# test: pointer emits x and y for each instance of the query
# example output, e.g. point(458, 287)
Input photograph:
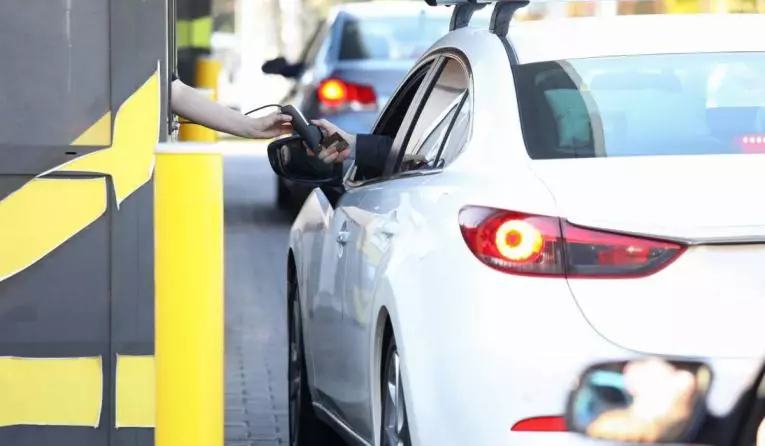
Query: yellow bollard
point(189, 293)
point(207, 72)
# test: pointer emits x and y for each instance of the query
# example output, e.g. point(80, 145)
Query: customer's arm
point(194, 106)
point(369, 152)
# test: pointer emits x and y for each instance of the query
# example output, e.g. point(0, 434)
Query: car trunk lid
point(711, 300)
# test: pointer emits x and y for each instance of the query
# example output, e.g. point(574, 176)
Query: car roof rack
point(464, 9)
point(503, 15)
point(463, 13)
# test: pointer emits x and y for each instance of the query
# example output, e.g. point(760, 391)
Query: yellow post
point(207, 71)
point(189, 287)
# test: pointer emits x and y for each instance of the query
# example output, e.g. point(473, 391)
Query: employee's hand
point(270, 126)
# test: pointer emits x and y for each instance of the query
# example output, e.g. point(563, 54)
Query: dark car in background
point(354, 62)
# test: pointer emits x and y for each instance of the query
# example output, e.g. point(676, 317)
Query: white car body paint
point(481, 349)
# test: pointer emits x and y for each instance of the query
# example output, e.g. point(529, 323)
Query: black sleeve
point(372, 154)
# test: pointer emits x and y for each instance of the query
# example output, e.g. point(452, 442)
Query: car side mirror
point(281, 67)
point(289, 159)
point(640, 401)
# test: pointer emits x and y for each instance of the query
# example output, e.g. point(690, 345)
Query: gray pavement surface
point(256, 332)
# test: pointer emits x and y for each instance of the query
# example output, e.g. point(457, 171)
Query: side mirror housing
point(640, 401)
point(281, 67)
point(289, 159)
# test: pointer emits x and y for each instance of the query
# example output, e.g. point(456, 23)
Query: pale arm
point(194, 106)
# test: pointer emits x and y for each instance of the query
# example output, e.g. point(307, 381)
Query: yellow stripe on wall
point(99, 134)
point(135, 392)
point(51, 391)
point(26, 216)
point(130, 159)
point(73, 204)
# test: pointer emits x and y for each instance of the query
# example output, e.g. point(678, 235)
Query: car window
point(438, 111)
point(647, 105)
point(434, 137)
point(392, 37)
point(391, 118)
point(459, 134)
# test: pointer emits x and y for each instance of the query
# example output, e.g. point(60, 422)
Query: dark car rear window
point(394, 37)
point(665, 104)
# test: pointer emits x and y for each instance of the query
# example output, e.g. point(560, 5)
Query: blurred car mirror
point(640, 401)
point(281, 67)
point(290, 159)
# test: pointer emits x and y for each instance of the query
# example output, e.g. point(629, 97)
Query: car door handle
point(342, 237)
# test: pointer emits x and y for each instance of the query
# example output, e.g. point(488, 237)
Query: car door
point(333, 350)
point(385, 221)
point(326, 312)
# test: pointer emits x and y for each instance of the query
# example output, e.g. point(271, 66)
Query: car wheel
point(283, 196)
point(395, 425)
point(304, 427)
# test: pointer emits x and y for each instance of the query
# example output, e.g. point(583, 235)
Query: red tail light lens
point(526, 244)
point(752, 143)
point(541, 424)
point(336, 94)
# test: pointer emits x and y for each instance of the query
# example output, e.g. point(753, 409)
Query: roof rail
point(462, 15)
point(503, 15)
point(463, 10)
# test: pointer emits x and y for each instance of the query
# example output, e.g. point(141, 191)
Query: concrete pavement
point(256, 332)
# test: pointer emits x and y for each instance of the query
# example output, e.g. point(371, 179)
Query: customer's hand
point(270, 126)
point(333, 154)
point(662, 402)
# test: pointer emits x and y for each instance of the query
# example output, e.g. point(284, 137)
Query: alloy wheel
point(295, 370)
point(394, 422)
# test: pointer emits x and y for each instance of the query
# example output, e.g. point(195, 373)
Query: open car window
point(433, 138)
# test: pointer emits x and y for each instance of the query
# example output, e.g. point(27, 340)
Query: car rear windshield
point(665, 104)
point(391, 37)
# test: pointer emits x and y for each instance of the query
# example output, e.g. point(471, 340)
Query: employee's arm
point(194, 106)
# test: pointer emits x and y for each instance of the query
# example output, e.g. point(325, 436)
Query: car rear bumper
point(483, 353)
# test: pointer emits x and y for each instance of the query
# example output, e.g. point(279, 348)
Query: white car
point(582, 202)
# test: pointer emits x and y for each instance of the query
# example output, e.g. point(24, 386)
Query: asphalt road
point(256, 332)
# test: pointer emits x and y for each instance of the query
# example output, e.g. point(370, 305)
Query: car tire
point(283, 196)
point(305, 429)
point(394, 423)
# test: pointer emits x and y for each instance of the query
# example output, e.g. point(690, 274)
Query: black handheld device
point(311, 134)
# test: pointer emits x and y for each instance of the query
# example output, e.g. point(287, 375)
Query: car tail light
point(519, 243)
point(335, 94)
point(541, 424)
point(752, 143)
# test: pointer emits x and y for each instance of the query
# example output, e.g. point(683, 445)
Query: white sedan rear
point(593, 191)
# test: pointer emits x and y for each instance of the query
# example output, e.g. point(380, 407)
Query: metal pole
point(189, 349)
